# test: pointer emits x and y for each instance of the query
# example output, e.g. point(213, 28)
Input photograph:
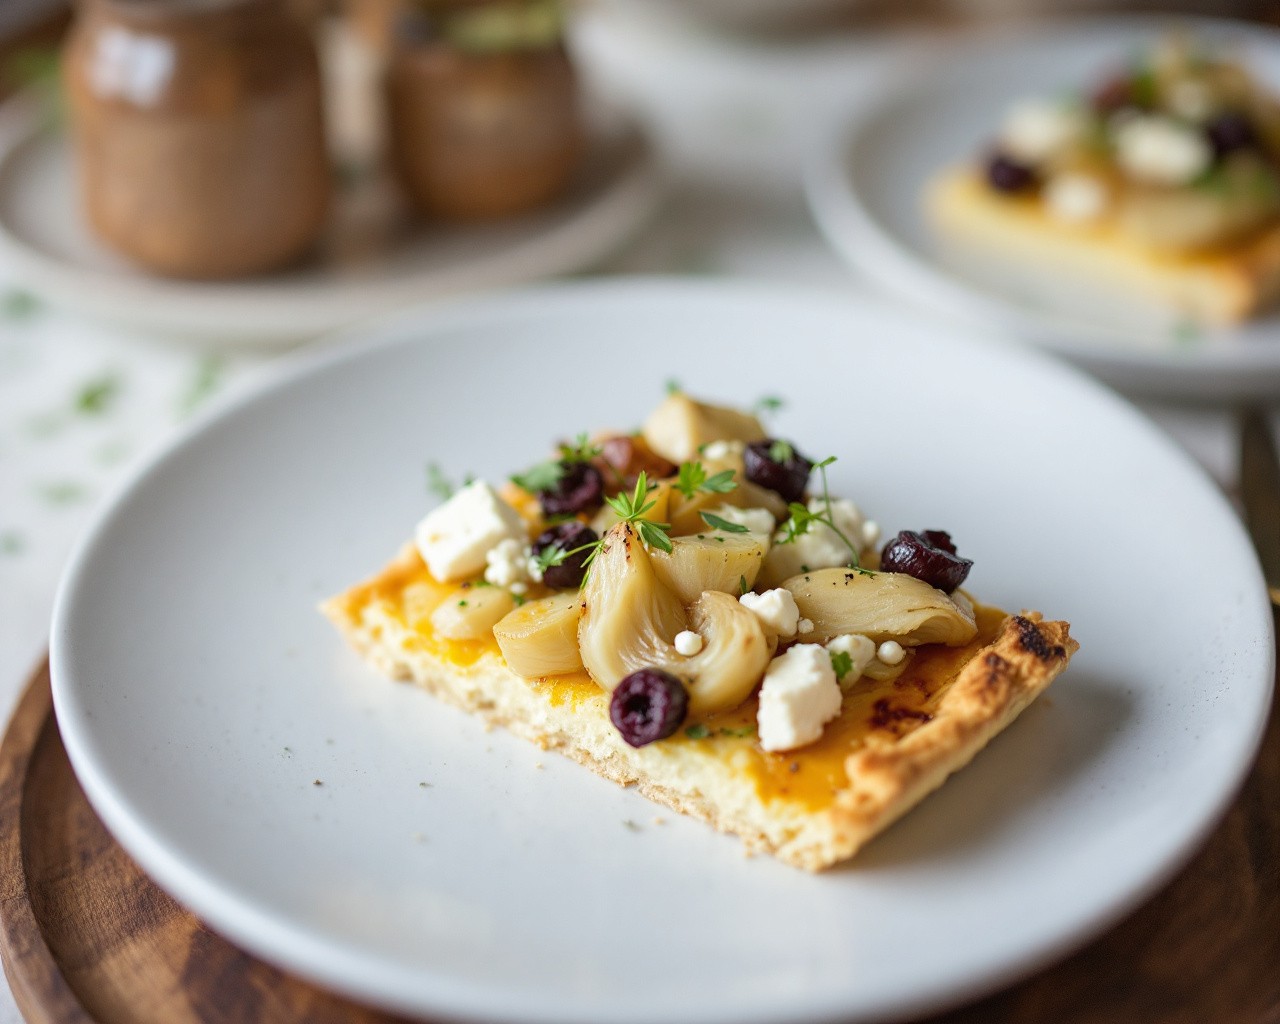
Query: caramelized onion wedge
point(713, 560)
point(540, 638)
point(632, 618)
point(882, 606)
point(470, 614)
point(678, 427)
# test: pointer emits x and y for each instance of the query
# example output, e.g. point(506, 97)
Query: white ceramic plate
point(201, 695)
point(371, 260)
point(864, 189)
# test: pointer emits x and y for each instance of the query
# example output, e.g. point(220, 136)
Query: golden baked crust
point(893, 743)
point(1220, 286)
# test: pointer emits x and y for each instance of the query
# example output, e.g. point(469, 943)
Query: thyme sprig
point(631, 508)
point(802, 518)
point(546, 475)
point(693, 478)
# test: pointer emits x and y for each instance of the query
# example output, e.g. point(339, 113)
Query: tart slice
point(684, 611)
point(1158, 185)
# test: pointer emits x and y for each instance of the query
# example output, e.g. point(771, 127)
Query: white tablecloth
point(81, 403)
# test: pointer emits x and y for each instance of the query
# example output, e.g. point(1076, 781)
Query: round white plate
point(864, 189)
point(372, 259)
point(272, 783)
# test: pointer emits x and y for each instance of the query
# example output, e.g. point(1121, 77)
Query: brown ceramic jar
point(482, 135)
point(198, 132)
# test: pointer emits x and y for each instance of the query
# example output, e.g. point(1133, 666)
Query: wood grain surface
point(87, 938)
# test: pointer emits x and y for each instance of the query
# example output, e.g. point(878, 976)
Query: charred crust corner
point(1031, 640)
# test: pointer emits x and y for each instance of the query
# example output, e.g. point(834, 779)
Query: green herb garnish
point(437, 483)
point(781, 451)
point(802, 518)
point(581, 450)
point(742, 584)
point(697, 732)
point(542, 477)
point(769, 404)
point(693, 478)
point(841, 664)
point(631, 509)
point(717, 523)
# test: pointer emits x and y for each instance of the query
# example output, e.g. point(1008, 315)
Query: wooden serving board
point(87, 938)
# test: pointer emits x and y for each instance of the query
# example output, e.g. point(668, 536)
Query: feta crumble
point(688, 643)
point(1161, 150)
point(776, 609)
point(455, 537)
point(798, 697)
point(507, 563)
point(1076, 198)
point(1037, 129)
point(891, 652)
point(861, 650)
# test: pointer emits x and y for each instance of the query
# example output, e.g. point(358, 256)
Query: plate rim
point(870, 248)
point(249, 310)
point(294, 948)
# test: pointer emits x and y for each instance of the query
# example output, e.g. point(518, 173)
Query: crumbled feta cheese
point(519, 588)
point(891, 652)
point(722, 449)
point(776, 609)
point(1161, 150)
point(756, 520)
point(1036, 129)
point(870, 533)
point(798, 697)
point(507, 563)
point(1076, 198)
point(533, 569)
point(861, 650)
point(455, 537)
point(804, 626)
point(820, 547)
point(688, 643)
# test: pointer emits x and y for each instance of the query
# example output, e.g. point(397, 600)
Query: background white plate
point(371, 260)
point(864, 189)
point(200, 694)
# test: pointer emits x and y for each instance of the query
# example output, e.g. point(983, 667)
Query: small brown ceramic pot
point(482, 135)
point(198, 132)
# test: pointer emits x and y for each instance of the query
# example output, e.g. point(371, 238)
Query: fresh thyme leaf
point(18, 305)
point(549, 557)
point(717, 523)
point(769, 404)
point(582, 450)
point(204, 382)
point(437, 483)
point(673, 386)
point(841, 664)
point(742, 584)
point(802, 518)
point(655, 535)
point(746, 730)
point(631, 508)
point(96, 395)
point(720, 483)
point(692, 475)
point(62, 492)
point(12, 543)
point(542, 477)
point(797, 524)
point(697, 731)
point(519, 599)
point(693, 478)
point(781, 451)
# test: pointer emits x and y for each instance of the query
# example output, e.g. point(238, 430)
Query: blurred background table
point(81, 403)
